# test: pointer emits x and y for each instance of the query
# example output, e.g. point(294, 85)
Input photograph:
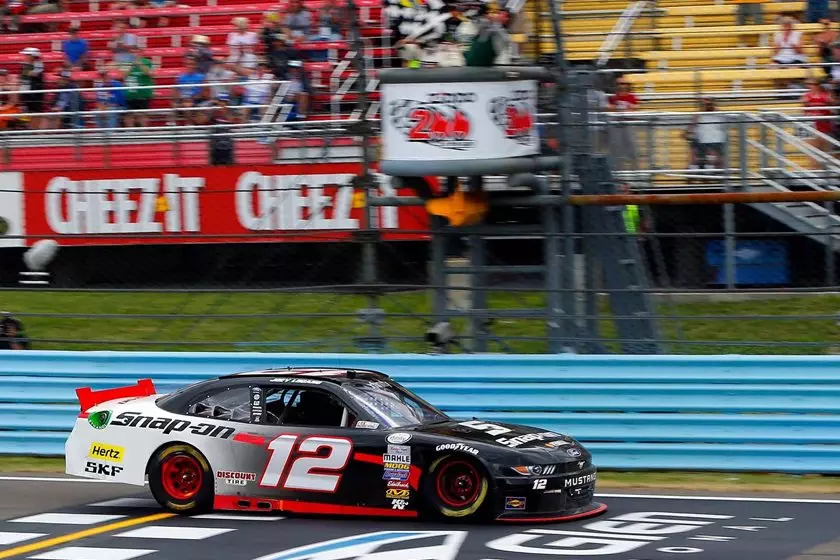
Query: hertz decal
point(106, 452)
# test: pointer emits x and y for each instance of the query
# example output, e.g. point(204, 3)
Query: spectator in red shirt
point(623, 136)
point(816, 102)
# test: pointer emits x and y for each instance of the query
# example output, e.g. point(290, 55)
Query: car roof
point(336, 375)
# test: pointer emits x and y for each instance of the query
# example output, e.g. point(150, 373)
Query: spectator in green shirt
point(138, 75)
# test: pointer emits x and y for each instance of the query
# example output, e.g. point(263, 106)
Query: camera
point(441, 336)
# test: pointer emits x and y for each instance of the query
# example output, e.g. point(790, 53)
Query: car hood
point(511, 436)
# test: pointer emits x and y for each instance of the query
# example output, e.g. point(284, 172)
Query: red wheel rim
point(181, 476)
point(458, 484)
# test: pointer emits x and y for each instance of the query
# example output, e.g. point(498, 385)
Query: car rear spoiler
point(89, 398)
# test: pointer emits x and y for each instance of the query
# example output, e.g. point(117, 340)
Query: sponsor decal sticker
point(457, 447)
point(399, 504)
point(100, 420)
point(573, 452)
point(514, 115)
point(441, 120)
point(554, 491)
point(396, 462)
point(235, 478)
point(398, 438)
point(512, 503)
point(106, 452)
point(397, 493)
point(170, 425)
point(299, 380)
point(103, 469)
point(558, 443)
point(525, 438)
point(580, 480)
point(256, 405)
point(397, 484)
point(364, 424)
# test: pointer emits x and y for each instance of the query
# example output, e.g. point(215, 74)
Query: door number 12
point(308, 471)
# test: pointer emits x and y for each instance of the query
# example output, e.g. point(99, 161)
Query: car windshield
point(392, 405)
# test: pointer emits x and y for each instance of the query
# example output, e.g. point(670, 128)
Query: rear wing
point(89, 398)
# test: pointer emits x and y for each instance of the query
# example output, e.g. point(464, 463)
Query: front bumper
point(548, 498)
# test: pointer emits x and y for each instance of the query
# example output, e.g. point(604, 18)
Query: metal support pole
point(563, 138)
point(437, 265)
point(369, 258)
point(829, 250)
point(478, 323)
point(743, 162)
point(763, 160)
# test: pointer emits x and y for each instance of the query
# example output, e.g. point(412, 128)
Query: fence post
point(743, 162)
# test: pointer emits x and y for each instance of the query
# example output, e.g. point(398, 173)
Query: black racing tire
point(181, 479)
point(456, 487)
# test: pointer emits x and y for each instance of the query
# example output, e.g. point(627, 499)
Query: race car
point(325, 441)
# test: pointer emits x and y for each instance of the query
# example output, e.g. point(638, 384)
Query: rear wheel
point(456, 487)
point(181, 479)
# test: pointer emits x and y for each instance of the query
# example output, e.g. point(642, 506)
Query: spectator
point(299, 21)
point(200, 50)
point(257, 93)
point(192, 93)
point(241, 40)
point(272, 25)
point(279, 55)
point(12, 334)
point(138, 96)
point(491, 44)
point(113, 100)
point(623, 137)
point(709, 133)
point(32, 85)
point(123, 44)
point(331, 22)
point(787, 44)
point(816, 10)
point(598, 103)
point(67, 101)
point(162, 21)
point(816, 102)
point(823, 40)
point(8, 101)
point(749, 10)
point(75, 49)
point(221, 72)
point(221, 143)
point(47, 7)
point(299, 92)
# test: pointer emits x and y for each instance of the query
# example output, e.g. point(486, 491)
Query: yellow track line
point(47, 543)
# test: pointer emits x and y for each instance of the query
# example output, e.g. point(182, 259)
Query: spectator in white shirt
point(787, 44)
point(708, 131)
point(241, 40)
point(256, 93)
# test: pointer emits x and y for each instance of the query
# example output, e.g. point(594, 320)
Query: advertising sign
point(11, 210)
point(461, 120)
point(272, 203)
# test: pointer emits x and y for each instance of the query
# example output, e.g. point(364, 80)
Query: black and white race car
point(330, 441)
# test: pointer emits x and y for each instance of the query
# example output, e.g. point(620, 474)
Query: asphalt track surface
point(47, 518)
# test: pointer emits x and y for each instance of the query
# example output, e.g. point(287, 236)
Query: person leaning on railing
point(109, 99)
point(31, 84)
point(138, 96)
point(824, 41)
point(817, 102)
point(9, 102)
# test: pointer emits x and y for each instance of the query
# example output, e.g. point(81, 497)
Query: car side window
point(232, 404)
point(305, 407)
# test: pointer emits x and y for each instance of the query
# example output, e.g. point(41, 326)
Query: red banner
point(240, 204)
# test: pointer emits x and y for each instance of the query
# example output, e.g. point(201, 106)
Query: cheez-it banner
point(239, 204)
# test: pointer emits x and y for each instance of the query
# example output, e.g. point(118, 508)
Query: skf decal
point(396, 493)
point(514, 503)
point(112, 453)
point(105, 469)
point(170, 425)
point(457, 447)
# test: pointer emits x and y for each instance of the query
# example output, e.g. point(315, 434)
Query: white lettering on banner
point(112, 206)
point(278, 202)
point(617, 535)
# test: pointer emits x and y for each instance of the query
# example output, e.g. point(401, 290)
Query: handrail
point(620, 30)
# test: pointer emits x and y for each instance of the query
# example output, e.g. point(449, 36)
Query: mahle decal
point(100, 419)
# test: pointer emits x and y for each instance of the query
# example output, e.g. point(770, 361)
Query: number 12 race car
point(328, 441)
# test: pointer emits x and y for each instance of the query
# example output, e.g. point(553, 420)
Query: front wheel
point(456, 487)
point(181, 480)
